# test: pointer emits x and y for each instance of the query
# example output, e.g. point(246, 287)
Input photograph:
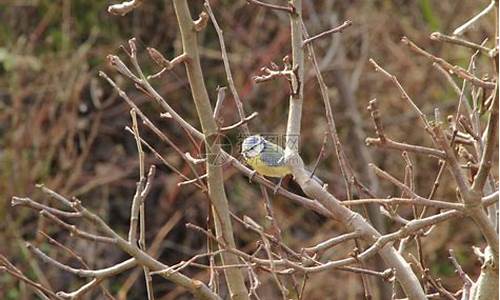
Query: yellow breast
point(266, 170)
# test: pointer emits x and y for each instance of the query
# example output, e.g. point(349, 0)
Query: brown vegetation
point(416, 83)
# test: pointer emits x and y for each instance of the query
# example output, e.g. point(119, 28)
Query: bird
point(267, 159)
point(264, 157)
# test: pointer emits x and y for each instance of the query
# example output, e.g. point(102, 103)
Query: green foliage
point(428, 13)
point(443, 268)
point(13, 294)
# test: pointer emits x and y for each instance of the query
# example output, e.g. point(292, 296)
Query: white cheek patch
point(251, 153)
point(254, 151)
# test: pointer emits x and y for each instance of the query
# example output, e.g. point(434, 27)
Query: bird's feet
point(277, 187)
point(252, 175)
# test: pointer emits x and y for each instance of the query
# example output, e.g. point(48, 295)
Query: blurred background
point(61, 125)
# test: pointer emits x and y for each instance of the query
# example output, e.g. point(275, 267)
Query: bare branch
point(438, 36)
point(473, 20)
point(387, 143)
point(459, 71)
point(404, 94)
point(221, 96)
point(216, 191)
point(202, 21)
point(115, 269)
point(125, 7)
point(30, 203)
point(490, 141)
point(333, 242)
point(240, 123)
point(75, 231)
point(289, 9)
point(42, 291)
point(465, 278)
point(339, 28)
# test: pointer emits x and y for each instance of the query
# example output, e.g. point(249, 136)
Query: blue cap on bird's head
point(252, 146)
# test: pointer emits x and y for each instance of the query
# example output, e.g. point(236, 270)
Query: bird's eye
point(254, 146)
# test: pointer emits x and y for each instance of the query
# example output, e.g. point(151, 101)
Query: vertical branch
point(142, 190)
point(486, 286)
point(142, 245)
point(216, 192)
point(246, 131)
point(489, 147)
point(345, 167)
point(297, 96)
point(227, 68)
point(406, 277)
point(136, 202)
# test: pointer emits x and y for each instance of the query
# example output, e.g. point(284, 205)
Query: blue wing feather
point(272, 155)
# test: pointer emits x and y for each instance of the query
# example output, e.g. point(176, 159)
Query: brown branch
point(37, 206)
point(75, 231)
point(197, 288)
point(377, 122)
point(150, 124)
point(216, 191)
point(387, 143)
point(459, 71)
point(311, 204)
point(289, 9)
point(240, 123)
point(229, 75)
point(85, 288)
point(164, 63)
point(415, 201)
point(333, 242)
point(273, 72)
point(490, 142)
point(202, 22)
point(137, 212)
point(438, 36)
point(106, 272)
point(465, 278)
point(125, 7)
point(166, 163)
point(267, 248)
point(221, 96)
point(345, 167)
point(404, 94)
point(42, 291)
point(474, 19)
point(433, 282)
point(339, 28)
point(470, 197)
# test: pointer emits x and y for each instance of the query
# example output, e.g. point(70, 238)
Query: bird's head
point(252, 146)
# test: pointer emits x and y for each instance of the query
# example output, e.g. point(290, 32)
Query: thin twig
point(459, 71)
point(465, 278)
point(125, 7)
point(289, 9)
point(339, 28)
point(438, 36)
point(473, 20)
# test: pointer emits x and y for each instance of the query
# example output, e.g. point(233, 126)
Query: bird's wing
point(273, 155)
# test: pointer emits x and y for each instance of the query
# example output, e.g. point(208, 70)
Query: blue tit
point(266, 158)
